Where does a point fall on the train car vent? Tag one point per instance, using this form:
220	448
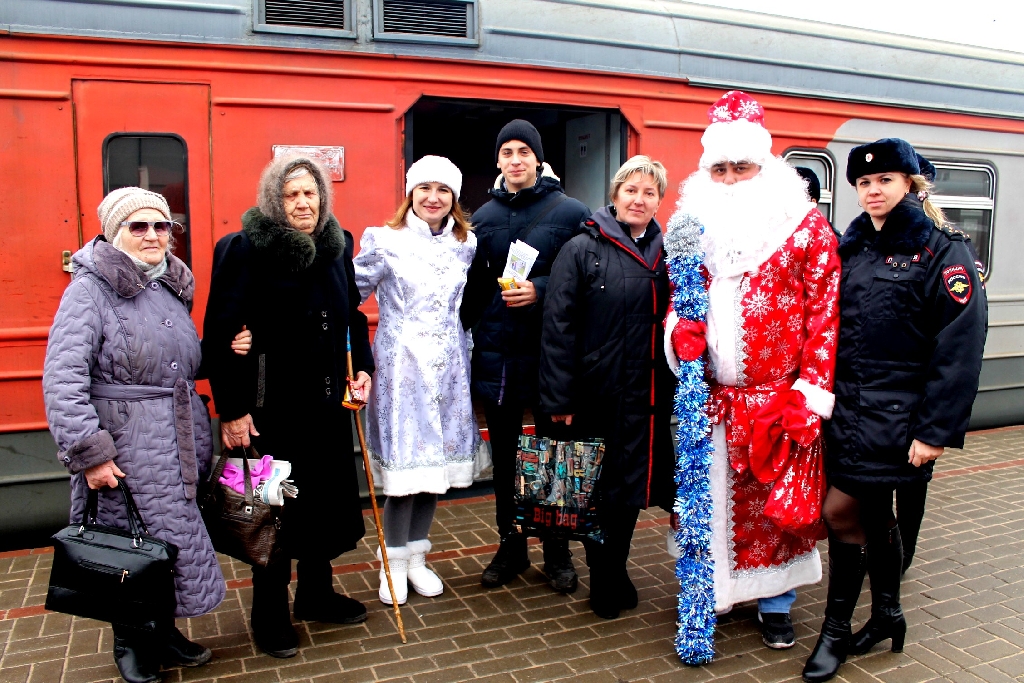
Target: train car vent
311	13
427	17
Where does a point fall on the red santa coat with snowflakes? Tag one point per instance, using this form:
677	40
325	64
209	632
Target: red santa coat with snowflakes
771	329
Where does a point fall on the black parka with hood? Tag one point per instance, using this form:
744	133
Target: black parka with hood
913	322
602	357
506	341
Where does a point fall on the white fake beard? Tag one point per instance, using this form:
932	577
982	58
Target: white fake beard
744	223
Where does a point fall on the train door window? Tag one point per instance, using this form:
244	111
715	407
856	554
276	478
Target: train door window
153	162
966	194
821	163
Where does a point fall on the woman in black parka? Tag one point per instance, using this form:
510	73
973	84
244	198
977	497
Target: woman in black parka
602	371
913	320
288	277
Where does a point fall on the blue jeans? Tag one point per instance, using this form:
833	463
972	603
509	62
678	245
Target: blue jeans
780	604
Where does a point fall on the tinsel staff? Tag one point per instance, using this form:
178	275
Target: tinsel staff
695	640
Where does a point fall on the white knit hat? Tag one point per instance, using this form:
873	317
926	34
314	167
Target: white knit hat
125	201
433	169
737	131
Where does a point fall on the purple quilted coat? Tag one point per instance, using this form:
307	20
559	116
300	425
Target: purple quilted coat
118	384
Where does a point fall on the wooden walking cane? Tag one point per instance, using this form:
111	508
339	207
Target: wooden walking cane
356	404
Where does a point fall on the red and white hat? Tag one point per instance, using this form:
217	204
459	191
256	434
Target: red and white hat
737	131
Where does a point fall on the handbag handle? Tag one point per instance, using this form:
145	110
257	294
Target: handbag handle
135	521
218	470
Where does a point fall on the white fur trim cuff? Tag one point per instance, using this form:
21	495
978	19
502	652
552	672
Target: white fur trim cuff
670	353
735	141
819	401
419	547
434	169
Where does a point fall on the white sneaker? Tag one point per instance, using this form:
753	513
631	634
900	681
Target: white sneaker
398	562
424	581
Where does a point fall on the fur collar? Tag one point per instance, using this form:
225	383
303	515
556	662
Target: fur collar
906	230
292	250
117	268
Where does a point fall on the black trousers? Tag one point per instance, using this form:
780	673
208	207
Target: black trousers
618	523
910	501
505	425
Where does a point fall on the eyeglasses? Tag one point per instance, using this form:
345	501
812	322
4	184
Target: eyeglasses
141	228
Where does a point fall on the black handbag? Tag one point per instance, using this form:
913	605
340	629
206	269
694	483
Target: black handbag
110	574
240	526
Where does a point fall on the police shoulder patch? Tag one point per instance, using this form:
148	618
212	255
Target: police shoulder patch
958	283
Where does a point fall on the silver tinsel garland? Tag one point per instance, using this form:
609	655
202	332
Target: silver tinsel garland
695	639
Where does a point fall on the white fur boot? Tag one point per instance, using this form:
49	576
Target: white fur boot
424	581
672	545
398	562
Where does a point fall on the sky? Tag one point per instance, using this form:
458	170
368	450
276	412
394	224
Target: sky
988	23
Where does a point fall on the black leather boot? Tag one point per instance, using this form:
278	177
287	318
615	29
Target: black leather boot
271	621
177	650
510	561
315	599
846	567
558	566
885	565
134	656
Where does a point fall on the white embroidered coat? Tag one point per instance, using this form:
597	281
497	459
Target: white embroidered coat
421	430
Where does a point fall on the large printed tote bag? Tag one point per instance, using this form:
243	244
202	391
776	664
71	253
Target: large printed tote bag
555	484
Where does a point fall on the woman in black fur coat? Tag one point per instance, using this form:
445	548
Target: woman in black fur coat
287	276
912	328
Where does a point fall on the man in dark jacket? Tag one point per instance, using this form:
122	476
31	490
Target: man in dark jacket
528	204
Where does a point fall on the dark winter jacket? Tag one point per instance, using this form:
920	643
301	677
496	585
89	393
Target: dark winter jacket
913	321
602	357
118	384
506	341
298	297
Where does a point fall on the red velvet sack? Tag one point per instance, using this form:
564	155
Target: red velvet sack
786	447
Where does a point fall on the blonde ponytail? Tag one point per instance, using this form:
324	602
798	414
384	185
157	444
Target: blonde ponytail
918	183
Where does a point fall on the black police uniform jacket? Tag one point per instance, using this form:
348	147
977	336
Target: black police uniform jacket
602	357
506	341
913	321
298	306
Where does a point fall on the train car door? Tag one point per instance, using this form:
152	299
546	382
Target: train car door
155	136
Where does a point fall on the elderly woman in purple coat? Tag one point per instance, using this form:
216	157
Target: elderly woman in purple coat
119	388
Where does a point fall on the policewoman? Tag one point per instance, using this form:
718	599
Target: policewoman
913	320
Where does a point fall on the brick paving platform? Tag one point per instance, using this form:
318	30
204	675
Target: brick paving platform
963	597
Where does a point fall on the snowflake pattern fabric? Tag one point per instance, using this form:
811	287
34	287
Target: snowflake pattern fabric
421	429
786	329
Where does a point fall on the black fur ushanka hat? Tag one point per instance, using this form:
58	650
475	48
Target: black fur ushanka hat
883	156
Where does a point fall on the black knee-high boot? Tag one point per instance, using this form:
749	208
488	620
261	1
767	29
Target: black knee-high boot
271	621
846	568
135	654
910	502
885	565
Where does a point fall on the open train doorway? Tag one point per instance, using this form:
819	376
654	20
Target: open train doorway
584	147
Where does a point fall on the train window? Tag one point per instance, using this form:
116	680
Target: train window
328	18
426	21
821	163
966	194
153	162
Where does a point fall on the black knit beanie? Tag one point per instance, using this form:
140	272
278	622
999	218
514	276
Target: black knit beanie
518	129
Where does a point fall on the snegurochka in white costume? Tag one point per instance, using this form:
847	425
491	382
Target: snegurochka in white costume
771	340
421	429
